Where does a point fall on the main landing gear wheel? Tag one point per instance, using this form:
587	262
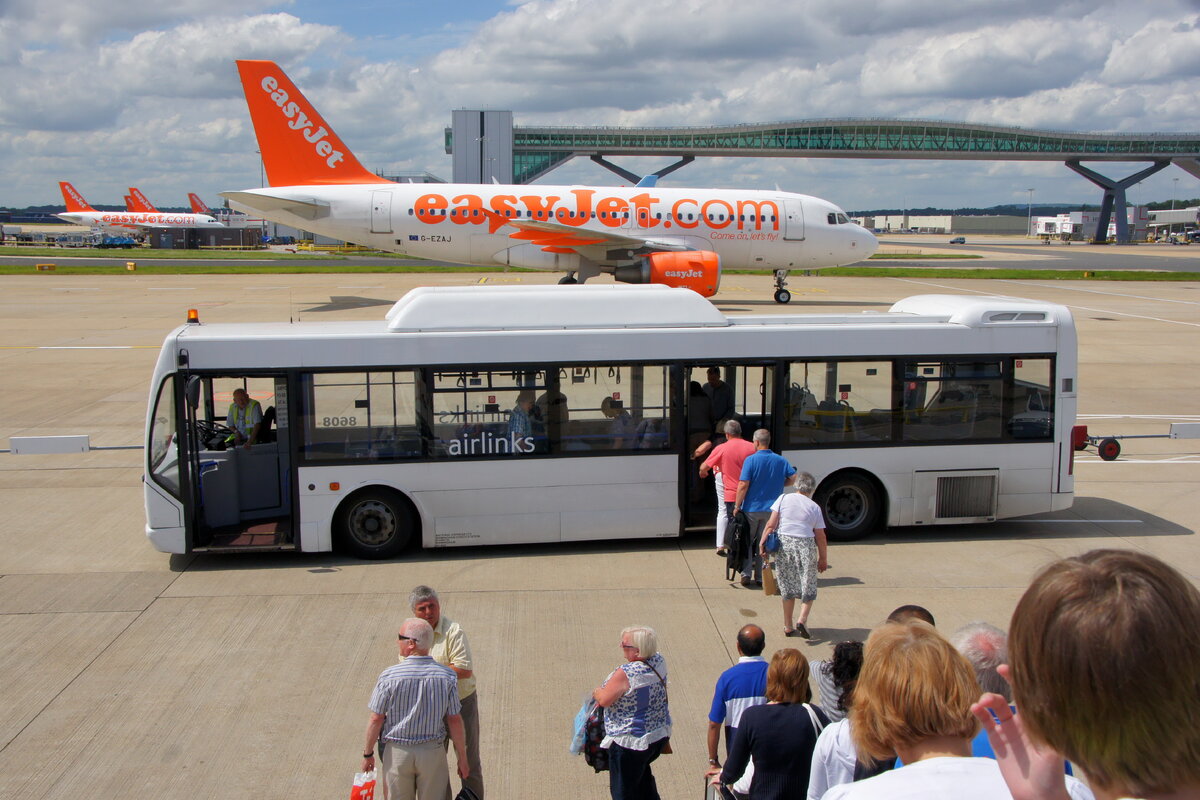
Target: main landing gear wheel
374	524
783	296
567	279
1109	449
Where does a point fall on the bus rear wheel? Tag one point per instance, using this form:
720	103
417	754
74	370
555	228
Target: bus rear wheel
374	524
851	505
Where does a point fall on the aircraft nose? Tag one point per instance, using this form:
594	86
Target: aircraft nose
860	244
867	243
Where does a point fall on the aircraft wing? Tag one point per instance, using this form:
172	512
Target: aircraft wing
261	201
554	237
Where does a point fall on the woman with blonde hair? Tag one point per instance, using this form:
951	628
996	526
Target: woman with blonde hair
637	722
913	701
780	735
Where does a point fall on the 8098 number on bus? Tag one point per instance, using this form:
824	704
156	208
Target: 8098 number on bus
338	422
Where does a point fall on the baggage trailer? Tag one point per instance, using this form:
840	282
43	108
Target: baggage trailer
1109	447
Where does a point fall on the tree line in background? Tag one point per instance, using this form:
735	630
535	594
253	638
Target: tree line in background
1018	209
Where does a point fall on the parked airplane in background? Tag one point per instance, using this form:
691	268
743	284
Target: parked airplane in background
639	234
80	213
137	202
198	205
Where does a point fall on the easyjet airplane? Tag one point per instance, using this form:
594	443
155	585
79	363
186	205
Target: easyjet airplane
639	234
80	213
198	205
137	202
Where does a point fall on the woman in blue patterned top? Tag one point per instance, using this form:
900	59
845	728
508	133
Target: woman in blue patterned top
637	722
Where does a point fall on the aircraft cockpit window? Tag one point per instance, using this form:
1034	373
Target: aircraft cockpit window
832	219
843	219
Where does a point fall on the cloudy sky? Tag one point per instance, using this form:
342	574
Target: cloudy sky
149	96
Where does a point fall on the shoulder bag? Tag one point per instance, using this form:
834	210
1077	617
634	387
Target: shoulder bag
666	748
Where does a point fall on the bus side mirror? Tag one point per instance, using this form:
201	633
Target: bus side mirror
191	392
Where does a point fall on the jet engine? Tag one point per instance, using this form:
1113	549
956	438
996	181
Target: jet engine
698	270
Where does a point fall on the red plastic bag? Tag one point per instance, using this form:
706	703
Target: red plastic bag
364	786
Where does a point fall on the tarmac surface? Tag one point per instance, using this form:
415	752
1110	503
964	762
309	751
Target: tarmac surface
127	672
994	251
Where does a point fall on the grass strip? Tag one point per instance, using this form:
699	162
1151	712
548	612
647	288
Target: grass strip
344	266
922	256
146	253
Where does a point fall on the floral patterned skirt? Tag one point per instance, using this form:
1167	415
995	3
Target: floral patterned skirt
796	568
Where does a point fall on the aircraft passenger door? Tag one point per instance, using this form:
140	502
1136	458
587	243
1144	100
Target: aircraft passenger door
793	219
381	212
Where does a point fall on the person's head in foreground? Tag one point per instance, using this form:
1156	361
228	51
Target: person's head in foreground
787	677
914	690
1104	661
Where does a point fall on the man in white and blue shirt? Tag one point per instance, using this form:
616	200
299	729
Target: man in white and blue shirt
740	687
414	705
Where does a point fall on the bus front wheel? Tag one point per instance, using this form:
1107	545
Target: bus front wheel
374	524
851	505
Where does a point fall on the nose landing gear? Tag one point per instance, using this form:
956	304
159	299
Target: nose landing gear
782	295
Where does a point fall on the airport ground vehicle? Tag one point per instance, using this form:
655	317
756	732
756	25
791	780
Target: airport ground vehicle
944	409
959	240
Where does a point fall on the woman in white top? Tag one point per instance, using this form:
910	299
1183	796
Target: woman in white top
913	700
802	551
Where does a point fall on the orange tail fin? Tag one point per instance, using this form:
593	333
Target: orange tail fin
297	145
130	203
140	203
73	198
198	205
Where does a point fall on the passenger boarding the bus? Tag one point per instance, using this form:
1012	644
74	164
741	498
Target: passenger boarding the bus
720	394
244	419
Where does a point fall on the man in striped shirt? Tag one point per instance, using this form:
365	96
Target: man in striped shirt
413	706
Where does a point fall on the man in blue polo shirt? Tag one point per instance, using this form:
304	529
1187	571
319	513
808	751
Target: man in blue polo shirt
741	686
764	476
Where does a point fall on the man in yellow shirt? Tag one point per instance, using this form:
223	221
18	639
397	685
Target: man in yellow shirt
450	648
244	419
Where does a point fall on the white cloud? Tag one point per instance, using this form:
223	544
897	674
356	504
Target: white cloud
90	89
1164	49
150	94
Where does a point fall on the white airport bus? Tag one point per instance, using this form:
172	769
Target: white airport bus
496	415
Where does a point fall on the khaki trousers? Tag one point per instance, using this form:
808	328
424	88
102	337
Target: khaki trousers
415	771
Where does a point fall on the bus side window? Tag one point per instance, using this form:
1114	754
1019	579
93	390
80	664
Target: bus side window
361	415
615	407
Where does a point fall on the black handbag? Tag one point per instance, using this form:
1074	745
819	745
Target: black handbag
593	734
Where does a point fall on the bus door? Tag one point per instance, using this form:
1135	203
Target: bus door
240	490
741	392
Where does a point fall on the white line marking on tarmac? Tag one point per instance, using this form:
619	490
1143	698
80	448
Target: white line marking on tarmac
1068	305
1139	416
1188	459
1078	521
172	288
1063	285
75	289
